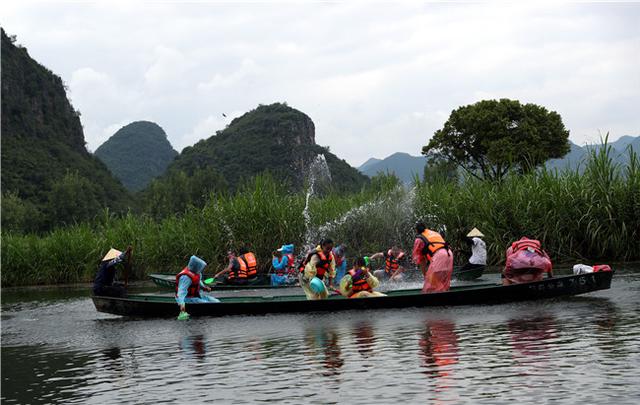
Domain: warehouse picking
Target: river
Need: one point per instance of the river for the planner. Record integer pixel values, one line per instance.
(57, 349)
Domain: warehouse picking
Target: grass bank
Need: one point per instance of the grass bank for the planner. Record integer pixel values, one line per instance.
(589, 215)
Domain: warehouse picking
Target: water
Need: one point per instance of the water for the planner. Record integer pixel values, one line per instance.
(319, 172)
(57, 349)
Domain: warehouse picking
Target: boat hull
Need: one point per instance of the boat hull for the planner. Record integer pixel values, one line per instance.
(153, 306)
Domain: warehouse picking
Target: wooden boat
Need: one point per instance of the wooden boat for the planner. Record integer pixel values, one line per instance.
(157, 306)
(168, 281)
(459, 273)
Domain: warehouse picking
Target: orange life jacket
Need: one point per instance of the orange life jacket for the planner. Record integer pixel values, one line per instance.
(251, 263)
(433, 242)
(392, 263)
(324, 265)
(358, 282)
(526, 244)
(194, 288)
(240, 273)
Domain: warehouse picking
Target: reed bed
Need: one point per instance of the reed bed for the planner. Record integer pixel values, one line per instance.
(589, 215)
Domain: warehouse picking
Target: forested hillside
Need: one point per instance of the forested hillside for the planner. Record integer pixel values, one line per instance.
(137, 153)
(48, 176)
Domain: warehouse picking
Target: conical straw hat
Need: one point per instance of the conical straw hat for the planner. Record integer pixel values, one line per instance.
(111, 254)
(475, 233)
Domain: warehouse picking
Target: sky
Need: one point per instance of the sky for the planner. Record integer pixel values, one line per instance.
(375, 77)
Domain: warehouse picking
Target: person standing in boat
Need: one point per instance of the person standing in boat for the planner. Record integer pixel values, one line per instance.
(319, 263)
(341, 262)
(526, 262)
(104, 284)
(189, 284)
(432, 254)
(283, 264)
(393, 270)
(359, 282)
(478, 251)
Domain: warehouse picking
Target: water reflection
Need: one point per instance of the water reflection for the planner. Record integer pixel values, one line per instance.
(324, 339)
(531, 337)
(439, 351)
(365, 338)
(194, 346)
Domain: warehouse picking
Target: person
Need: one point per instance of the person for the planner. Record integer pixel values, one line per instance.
(319, 263)
(236, 270)
(359, 282)
(341, 262)
(189, 284)
(392, 269)
(526, 262)
(478, 251)
(283, 264)
(430, 249)
(249, 259)
(103, 284)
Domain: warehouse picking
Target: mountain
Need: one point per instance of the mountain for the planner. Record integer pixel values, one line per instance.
(403, 165)
(578, 154)
(272, 138)
(46, 169)
(368, 163)
(137, 153)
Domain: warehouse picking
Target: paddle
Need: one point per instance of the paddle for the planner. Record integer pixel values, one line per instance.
(127, 266)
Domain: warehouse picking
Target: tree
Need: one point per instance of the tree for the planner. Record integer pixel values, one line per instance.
(440, 171)
(489, 138)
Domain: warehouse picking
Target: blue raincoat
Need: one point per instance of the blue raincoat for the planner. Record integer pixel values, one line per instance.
(196, 265)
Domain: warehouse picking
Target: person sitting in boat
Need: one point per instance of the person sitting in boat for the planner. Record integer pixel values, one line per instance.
(318, 265)
(341, 262)
(250, 261)
(430, 249)
(526, 262)
(478, 257)
(104, 284)
(189, 284)
(283, 264)
(237, 270)
(393, 270)
(359, 282)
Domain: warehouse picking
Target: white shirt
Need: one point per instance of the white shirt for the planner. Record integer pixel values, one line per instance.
(478, 252)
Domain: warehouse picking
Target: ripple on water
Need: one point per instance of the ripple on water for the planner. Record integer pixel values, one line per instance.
(580, 349)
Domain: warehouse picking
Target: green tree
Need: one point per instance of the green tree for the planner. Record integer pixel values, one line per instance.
(19, 215)
(73, 199)
(440, 171)
(489, 138)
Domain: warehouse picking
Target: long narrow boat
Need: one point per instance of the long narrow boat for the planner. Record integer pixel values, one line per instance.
(168, 282)
(459, 273)
(156, 306)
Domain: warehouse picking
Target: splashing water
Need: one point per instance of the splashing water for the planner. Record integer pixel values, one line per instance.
(377, 224)
(318, 172)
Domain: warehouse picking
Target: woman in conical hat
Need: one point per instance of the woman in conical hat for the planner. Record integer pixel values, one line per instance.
(104, 284)
(478, 260)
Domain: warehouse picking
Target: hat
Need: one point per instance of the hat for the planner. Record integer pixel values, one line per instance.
(111, 254)
(475, 233)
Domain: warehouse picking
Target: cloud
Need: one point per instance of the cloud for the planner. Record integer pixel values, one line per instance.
(365, 73)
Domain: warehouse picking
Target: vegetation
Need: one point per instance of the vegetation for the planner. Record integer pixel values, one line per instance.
(42, 143)
(590, 216)
(137, 153)
(490, 138)
(272, 138)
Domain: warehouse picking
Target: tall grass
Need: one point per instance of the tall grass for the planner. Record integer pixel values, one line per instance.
(594, 215)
